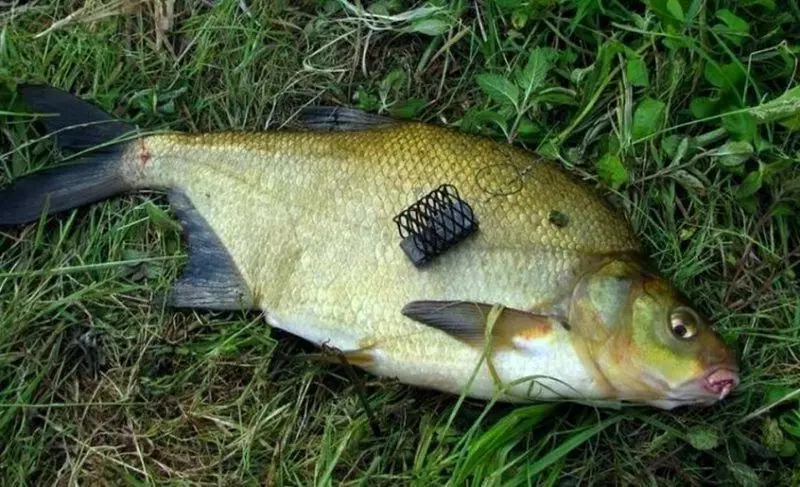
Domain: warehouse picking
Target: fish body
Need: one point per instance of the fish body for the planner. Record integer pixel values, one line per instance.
(298, 224)
(307, 219)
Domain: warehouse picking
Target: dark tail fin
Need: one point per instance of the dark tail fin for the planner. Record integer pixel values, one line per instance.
(76, 126)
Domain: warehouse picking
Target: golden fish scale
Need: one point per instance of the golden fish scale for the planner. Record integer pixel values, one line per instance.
(307, 218)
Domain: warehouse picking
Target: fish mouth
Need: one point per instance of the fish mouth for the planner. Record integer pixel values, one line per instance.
(720, 381)
(709, 388)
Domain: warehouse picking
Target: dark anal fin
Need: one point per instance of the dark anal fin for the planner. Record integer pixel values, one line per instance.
(211, 280)
(341, 119)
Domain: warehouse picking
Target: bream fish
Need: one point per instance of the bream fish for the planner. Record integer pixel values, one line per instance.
(548, 300)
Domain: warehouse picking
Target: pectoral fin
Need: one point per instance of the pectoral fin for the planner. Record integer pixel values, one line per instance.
(211, 280)
(467, 321)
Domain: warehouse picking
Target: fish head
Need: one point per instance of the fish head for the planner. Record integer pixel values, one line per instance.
(649, 343)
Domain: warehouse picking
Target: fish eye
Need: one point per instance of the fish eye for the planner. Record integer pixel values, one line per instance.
(683, 324)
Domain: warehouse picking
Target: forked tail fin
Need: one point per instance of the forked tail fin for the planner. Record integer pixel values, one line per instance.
(211, 280)
(76, 126)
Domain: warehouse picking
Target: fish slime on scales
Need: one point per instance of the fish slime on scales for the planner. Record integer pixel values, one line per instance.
(302, 225)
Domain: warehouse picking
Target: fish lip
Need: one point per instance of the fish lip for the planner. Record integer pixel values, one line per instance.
(712, 386)
(720, 381)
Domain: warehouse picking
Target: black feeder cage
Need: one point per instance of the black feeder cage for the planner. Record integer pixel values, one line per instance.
(434, 224)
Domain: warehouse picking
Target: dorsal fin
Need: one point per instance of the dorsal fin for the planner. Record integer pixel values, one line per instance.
(76, 124)
(341, 119)
(211, 280)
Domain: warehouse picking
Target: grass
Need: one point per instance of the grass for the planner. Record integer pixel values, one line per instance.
(669, 105)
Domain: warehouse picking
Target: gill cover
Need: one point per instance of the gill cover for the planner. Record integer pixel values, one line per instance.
(601, 298)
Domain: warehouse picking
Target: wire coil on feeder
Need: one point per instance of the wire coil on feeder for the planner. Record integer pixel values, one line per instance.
(433, 224)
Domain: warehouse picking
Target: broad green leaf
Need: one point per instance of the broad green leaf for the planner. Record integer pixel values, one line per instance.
(527, 127)
(409, 109)
(669, 144)
(776, 394)
(549, 150)
(683, 148)
(167, 108)
(647, 118)
(499, 89)
(733, 21)
(659, 7)
(788, 449)
(750, 185)
(782, 209)
(385, 7)
(689, 181)
(742, 125)
(583, 8)
(366, 100)
(725, 76)
(784, 108)
(703, 107)
(475, 119)
(771, 434)
(567, 56)
(694, 7)
(769, 4)
(507, 111)
(519, 18)
(535, 72)
(429, 26)
(612, 171)
(735, 29)
(392, 82)
(749, 204)
(744, 475)
(556, 96)
(378, 8)
(791, 123)
(703, 438)
(675, 39)
(577, 75)
(675, 9)
(636, 71)
(734, 153)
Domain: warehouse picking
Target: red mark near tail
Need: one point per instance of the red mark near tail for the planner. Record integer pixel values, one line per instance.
(144, 154)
